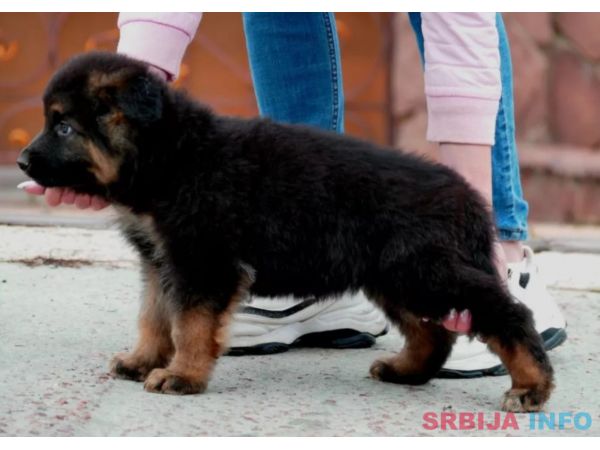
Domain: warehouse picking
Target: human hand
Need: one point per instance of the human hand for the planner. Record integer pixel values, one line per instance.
(453, 321)
(56, 196)
(460, 323)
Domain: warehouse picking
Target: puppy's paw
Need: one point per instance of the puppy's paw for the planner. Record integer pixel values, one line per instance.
(128, 367)
(163, 381)
(388, 370)
(523, 400)
(385, 370)
(379, 370)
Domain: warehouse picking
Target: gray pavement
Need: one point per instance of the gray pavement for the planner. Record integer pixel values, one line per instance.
(68, 302)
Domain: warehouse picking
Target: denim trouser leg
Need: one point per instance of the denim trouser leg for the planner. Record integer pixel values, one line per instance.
(510, 207)
(295, 64)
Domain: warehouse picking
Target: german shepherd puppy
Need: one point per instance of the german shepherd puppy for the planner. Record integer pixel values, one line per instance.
(220, 207)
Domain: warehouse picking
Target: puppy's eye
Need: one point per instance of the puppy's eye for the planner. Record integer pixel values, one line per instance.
(63, 129)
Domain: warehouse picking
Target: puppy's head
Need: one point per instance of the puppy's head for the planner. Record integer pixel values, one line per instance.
(95, 107)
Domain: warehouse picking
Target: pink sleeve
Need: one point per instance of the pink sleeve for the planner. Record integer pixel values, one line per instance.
(462, 76)
(160, 39)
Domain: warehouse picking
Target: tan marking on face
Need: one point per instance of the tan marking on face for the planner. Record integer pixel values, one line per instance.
(104, 168)
(115, 119)
(98, 80)
(57, 107)
(116, 127)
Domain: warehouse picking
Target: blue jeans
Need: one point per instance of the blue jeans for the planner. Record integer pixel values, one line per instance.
(296, 69)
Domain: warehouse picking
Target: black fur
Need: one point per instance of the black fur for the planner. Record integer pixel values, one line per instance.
(304, 212)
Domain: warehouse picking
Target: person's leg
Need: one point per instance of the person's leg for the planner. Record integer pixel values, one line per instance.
(510, 208)
(296, 67)
(295, 64)
(471, 359)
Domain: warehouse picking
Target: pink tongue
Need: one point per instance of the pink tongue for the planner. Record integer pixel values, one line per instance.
(31, 187)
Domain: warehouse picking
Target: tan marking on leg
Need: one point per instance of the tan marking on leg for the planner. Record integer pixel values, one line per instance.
(154, 347)
(222, 332)
(155, 339)
(196, 350)
(417, 348)
(199, 336)
(104, 168)
(525, 372)
(531, 385)
(425, 350)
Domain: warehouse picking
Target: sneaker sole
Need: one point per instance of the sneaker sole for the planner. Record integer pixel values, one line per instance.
(339, 339)
(552, 337)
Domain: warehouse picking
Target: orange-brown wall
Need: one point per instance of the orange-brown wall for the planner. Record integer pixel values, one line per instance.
(215, 68)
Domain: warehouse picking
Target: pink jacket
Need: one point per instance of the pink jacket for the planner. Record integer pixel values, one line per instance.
(462, 65)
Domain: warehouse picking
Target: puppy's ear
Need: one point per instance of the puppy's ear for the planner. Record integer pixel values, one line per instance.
(141, 99)
(139, 95)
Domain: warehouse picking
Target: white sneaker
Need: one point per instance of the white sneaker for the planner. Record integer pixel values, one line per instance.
(265, 326)
(470, 359)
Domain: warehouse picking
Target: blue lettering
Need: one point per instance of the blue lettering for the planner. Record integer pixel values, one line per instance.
(564, 418)
(587, 421)
(546, 420)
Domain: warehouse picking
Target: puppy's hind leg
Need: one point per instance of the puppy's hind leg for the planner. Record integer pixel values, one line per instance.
(509, 331)
(154, 347)
(426, 348)
(507, 327)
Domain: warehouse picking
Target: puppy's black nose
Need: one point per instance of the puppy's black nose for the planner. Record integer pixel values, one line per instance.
(23, 162)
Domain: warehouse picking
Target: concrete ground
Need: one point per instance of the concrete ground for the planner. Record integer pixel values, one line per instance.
(68, 302)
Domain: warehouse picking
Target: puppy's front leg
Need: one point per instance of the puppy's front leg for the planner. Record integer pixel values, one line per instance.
(199, 335)
(154, 347)
(195, 334)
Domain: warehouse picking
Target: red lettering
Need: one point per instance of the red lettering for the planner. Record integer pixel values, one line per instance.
(466, 421)
(481, 421)
(429, 421)
(510, 421)
(448, 419)
(495, 424)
